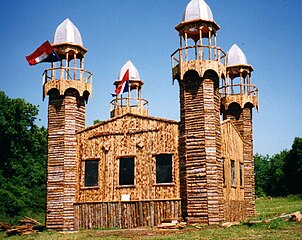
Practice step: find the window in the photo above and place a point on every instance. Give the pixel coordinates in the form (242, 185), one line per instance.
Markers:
(241, 174)
(233, 177)
(223, 170)
(126, 176)
(91, 173)
(164, 168)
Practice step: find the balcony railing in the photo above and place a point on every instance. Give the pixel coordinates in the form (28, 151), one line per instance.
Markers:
(131, 102)
(67, 73)
(236, 89)
(198, 52)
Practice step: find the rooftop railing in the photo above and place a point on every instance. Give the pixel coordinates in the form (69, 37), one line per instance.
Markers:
(198, 52)
(131, 102)
(67, 73)
(239, 89)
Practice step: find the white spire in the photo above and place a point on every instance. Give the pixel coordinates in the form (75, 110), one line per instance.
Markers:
(133, 72)
(235, 56)
(198, 9)
(67, 32)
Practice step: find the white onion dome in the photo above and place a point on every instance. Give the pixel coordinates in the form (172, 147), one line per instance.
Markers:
(67, 32)
(235, 57)
(197, 9)
(133, 72)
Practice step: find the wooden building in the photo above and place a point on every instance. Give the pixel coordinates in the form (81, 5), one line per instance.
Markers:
(135, 170)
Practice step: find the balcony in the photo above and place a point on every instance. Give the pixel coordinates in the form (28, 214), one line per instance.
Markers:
(123, 105)
(62, 78)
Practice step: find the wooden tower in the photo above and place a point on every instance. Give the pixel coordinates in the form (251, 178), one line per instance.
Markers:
(239, 97)
(131, 101)
(198, 64)
(68, 86)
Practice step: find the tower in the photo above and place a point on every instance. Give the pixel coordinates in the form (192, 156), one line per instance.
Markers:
(131, 101)
(239, 97)
(198, 64)
(68, 86)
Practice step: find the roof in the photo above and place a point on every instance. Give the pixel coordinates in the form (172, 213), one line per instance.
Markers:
(129, 115)
(197, 9)
(133, 72)
(235, 56)
(67, 32)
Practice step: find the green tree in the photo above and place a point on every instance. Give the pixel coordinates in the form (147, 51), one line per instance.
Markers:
(276, 184)
(293, 167)
(23, 153)
(261, 174)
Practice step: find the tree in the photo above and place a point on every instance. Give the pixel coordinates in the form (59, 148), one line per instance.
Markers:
(23, 153)
(261, 174)
(276, 184)
(293, 167)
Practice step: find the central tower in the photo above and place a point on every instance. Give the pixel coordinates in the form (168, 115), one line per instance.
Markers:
(198, 64)
(131, 101)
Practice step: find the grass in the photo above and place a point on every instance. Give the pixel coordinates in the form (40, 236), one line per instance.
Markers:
(266, 208)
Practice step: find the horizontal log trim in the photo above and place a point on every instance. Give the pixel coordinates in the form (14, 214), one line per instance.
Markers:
(133, 201)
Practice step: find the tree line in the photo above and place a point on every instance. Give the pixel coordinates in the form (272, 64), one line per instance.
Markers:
(23, 158)
(23, 155)
(280, 174)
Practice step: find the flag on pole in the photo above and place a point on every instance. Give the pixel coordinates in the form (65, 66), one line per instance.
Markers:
(124, 85)
(44, 53)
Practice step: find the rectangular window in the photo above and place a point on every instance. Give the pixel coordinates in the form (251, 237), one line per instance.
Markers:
(91, 173)
(241, 174)
(233, 176)
(126, 176)
(164, 168)
(223, 171)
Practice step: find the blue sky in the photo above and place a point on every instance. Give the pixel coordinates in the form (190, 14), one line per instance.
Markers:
(268, 31)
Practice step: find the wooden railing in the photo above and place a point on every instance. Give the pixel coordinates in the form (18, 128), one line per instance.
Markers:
(123, 102)
(67, 73)
(198, 52)
(236, 89)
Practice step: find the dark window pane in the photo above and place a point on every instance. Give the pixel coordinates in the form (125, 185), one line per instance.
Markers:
(164, 168)
(91, 173)
(223, 170)
(126, 176)
(241, 174)
(233, 173)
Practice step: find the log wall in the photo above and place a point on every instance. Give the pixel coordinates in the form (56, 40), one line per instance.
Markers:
(130, 214)
(249, 177)
(130, 135)
(201, 170)
(232, 149)
(66, 115)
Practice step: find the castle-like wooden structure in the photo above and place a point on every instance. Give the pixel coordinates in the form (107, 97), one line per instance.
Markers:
(135, 170)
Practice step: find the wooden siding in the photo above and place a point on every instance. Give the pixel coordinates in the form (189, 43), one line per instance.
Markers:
(249, 177)
(66, 114)
(201, 170)
(130, 214)
(232, 150)
(128, 135)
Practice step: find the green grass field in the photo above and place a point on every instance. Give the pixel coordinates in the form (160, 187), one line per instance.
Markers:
(266, 208)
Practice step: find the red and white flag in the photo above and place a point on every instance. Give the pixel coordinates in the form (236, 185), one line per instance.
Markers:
(124, 85)
(44, 53)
